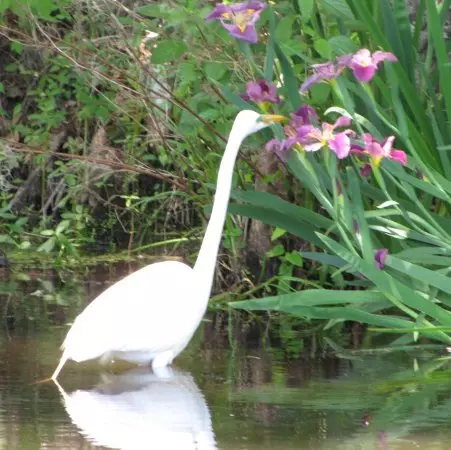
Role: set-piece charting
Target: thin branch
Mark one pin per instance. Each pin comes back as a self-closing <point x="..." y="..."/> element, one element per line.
<point x="163" y="176"/>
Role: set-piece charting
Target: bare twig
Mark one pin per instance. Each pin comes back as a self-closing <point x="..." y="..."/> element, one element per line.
<point x="160" y="175"/>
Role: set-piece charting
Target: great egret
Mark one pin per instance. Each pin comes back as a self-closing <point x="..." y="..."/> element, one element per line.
<point x="151" y="315"/>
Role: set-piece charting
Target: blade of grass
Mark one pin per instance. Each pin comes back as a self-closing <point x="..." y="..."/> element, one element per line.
<point x="271" y="201"/>
<point x="443" y="65"/>
<point x="268" y="69"/>
<point x="289" y="77"/>
<point x="402" y="296"/>
<point x="414" y="271"/>
<point x="277" y="219"/>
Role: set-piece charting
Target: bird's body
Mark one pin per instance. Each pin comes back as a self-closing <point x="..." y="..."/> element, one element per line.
<point x="131" y="304"/>
<point x="150" y="315"/>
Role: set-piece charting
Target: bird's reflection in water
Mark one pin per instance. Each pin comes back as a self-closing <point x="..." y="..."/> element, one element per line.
<point x="143" y="409"/>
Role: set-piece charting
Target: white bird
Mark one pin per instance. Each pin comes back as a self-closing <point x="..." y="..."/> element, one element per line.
<point x="150" y="315"/>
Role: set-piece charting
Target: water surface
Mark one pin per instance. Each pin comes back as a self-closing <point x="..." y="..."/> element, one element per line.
<point x="230" y="389"/>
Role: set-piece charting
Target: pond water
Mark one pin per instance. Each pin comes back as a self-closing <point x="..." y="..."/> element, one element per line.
<point x="229" y="390"/>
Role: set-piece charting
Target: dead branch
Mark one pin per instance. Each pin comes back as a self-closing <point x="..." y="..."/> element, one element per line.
<point x="159" y="175"/>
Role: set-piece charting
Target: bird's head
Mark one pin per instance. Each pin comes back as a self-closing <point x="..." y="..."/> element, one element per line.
<point x="251" y="121"/>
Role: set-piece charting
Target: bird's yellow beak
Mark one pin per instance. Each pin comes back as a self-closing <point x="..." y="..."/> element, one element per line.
<point x="273" y="118"/>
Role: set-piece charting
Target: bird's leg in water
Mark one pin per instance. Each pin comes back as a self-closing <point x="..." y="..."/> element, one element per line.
<point x="163" y="372"/>
<point x="163" y="359"/>
<point x="60" y="366"/>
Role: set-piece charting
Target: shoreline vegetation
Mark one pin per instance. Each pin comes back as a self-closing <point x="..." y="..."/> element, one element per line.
<point x="113" y="118"/>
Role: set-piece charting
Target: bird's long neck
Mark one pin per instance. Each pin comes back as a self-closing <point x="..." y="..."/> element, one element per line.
<point x="206" y="261"/>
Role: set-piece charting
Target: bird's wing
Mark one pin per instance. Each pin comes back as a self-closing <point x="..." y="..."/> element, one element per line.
<point x="150" y="309"/>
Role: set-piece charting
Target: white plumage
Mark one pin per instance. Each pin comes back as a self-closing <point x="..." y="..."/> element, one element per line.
<point x="150" y="315"/>
<point x="128" y="308"/>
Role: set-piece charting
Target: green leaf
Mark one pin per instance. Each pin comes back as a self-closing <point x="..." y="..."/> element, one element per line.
<point x="24" y="245"/>
<point x="356" y="197"/>
<point x="306" y="8"/>
<point x="418" y="252"/>
<point x="43" y="8"/>
<point x="277" y="233"/>
<point x="294" y="258"/>
<point x="338" y="8"/>
<point x="391" y="29"/>
<point x="188" y="72"/>
<point x="309" y="177"/>
<point x="4" y="5"/>
<point x="441" y="51"/>
<point x="324" y="258"/>
<point x="17" y="47"/>
<point x="10" y="68"/>
<point x="271" y="201"/>
<point x="348" y="313"/>
<point x="215" y="70"/>
<point x="5" y="239"/>
<point x="404" y="26"/>
<point x="293" y="47"/>
<point x="62" y="226"/>
<point x="47" y="232"/>
<point x="268" y="69"/>
<point x="342" y="45"/>
<point x="284" y="28"/>
<point x="167" y="51"/>
<point x="152" y="11"/>
<point x="277" y="250"/>
<point x="421" y="274"/>
<point x="290" y="79"/>
<point x="323" y="48"/>
<point x="102" y="112"/>
<point x="311" y="297"/>
<point x="278" y="219"/>
<point x="6" y="215"/>
<point x="309" y="304"/>
<point x="48" y="245"/>
<point x="401" y="295"/>
<point x="319" y="93"/>
<point x="235" y="99"/>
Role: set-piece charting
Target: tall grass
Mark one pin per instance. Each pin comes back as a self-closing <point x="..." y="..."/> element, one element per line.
<point x="402" y="209"/>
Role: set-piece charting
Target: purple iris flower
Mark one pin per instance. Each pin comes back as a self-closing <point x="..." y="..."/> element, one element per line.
<point x="358" y="150"/>
<point x="239" y="19"/>
<point x="278" y="147"/>
<point x="312" y="138"/>
<point x="380" y="257"/>
<point x="261" y="92"/>
<point x="303" y="116"/>
<point x="378" y="150"/>
<point x="364" y="64"/>
<point x="366" y="171"/>
<point x="340" y="144"/>
<point x="322" y="72"/>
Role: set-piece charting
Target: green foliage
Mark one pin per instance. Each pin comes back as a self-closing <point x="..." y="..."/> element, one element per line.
<point x="151" y="99"/>
<point x="168" y="51"/>
<point x="395" y="208"/>
<point x="167" y="102"/>
<point x="69" y="234"/>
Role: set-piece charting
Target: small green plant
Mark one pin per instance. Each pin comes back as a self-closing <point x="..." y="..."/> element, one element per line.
<point x="68" y="235"/>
